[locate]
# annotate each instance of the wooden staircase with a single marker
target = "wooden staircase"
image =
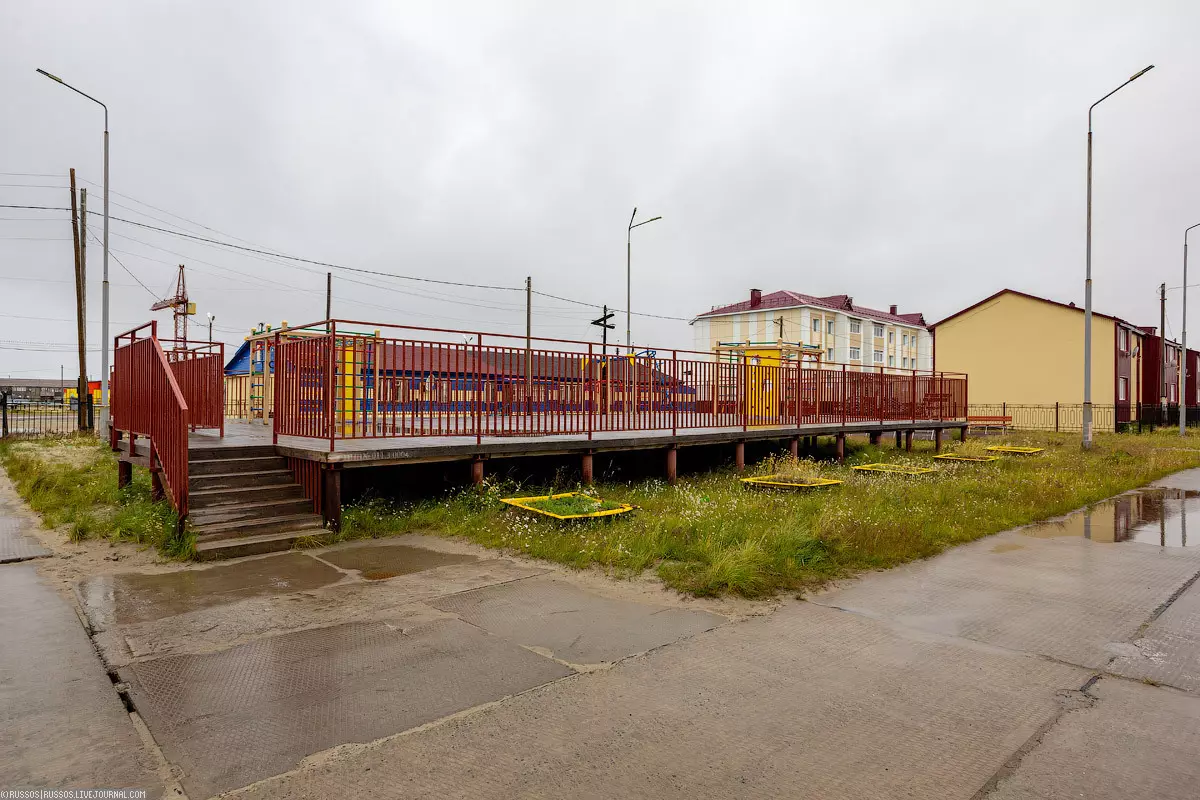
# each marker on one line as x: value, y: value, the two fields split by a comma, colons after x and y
x: 245, y: 501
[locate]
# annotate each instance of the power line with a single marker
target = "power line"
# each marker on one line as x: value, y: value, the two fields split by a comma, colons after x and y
x: 128, y: 271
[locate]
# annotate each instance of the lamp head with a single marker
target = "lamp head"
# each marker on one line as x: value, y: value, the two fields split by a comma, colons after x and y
x: 48, y: 75
x: 1140, y: 73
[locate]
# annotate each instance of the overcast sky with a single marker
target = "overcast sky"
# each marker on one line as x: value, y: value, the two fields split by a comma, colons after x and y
x: 923, y: 154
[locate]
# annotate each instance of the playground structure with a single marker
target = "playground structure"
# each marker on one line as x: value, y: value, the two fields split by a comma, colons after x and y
x: 333, y: 382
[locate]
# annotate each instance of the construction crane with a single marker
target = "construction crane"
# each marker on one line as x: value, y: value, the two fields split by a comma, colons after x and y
x: 179, y: 304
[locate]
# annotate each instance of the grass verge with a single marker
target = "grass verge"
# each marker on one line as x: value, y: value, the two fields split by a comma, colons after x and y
x: 72, y: 481
x: 707, y: 535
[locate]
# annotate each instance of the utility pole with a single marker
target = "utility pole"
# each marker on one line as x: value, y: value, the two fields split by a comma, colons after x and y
x: 779, y: 322
x: 81, y: 328
x: 629, y: 274
x: 528, y: 344
x: 1162, y: 376
x: 328, y: 299
x: 605, y: 326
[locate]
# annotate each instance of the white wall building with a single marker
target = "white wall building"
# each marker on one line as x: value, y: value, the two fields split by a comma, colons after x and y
x: 843, y: 332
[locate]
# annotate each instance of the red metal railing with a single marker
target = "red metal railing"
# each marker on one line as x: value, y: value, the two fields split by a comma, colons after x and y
x: 146, y: 401
x: 333, y: 384
x: 199, y: 371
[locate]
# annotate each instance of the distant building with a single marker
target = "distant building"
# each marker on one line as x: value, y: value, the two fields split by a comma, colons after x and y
x: 1020, y: 349
x: 788, y: 325
x: 36, y: 390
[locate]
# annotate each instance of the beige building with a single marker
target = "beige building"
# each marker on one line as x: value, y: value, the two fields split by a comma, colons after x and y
x: 832, y: 329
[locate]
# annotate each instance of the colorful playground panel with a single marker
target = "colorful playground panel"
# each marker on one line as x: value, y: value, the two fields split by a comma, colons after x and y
x: 899, y: 469
x: 526, y: 503
x: 979, y: 459
x: 777, y: 482
x: 1007, y: 448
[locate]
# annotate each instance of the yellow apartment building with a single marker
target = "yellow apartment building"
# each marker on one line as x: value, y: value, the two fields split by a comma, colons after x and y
x: 1020, y: 349
x: 784, y: 326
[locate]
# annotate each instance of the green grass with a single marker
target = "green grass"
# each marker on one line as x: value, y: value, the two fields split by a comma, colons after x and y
x: 573, y: 505
x: 72, y: 481
x: 708, y: 535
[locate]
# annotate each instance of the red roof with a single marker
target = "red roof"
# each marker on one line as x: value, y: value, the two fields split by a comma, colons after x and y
x: 837, y: 302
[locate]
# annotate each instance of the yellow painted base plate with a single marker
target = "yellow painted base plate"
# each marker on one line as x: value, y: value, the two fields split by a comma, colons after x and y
x: 977, y: 459
x: 898, y: 469
x: 525, y: 503
x: 1007, y: 448
x: 777, y: 482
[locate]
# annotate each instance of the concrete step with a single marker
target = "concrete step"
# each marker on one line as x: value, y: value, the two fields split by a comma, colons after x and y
x: 219, y: 466
x: 258, y: 510
x: 215, y: 498
x: 238, y: 451
x: 255, y: 527
x: 238, y: 480
x: 253, y: 545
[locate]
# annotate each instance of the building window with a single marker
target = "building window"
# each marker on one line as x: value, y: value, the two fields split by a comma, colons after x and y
x: 878, y: 331
x: 1123, y: 340
x: 855, y: 354
x: 855, y: 326
x: 891, y: 361
x: 829, y: 354
x: 1173, y: 394
x: 829, y: 327
x: 816, y: 324
x: 1122, y: 389
x: 904, y: 340
x: 878, y: 357
x: 891, y: 337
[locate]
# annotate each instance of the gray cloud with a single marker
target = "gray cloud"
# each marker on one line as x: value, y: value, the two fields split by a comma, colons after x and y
x: 923, y: 154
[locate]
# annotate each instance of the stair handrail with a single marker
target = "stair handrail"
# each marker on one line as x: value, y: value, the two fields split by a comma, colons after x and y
x: 146, y: 401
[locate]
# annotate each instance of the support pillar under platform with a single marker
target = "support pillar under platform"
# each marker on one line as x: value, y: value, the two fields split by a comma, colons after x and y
x: 477, y: 472
x: 331, y: 496
x: 962, y: 433
x: 841, y: 448
x: 585, y: 468
x: 672, y: 463
x: 739, y: 456
x: 874, y: 437
x: 898, y: 445
x: 937, y: 440
x: 124, y: 474
x: 908, y: 441
x: 794, y: 446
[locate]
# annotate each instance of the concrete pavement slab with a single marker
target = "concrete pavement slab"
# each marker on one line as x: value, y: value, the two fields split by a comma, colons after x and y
x: 240, y: 715
x: 1071, y: 599
x: 573, y: 625
x: 1133, y: 741
x: 62, y: 724
x: 134, y: 597
x: 1168, y: 651
x: 382, y: 560
x: 810, y: 702
x: 16, y: 522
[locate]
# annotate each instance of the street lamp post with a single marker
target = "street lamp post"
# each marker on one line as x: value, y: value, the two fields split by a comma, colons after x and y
x: 1087, y: 287
x: 629, y: 273
x: 1183, y: 348
x: 104, y: 285
x: 211, y: 319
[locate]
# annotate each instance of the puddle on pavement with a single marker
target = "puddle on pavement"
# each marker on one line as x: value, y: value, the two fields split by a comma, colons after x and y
x: 1007, y: 547
x: 378, y: 562
x: 1149, y: 516
x: 134, y: 597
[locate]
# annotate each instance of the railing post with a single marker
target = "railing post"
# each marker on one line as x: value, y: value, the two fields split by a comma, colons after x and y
x: 799, y: 389
x: 845, y: 396
x: 591, y: 393
x: 673, y: 393
x: 914, y: 396
x: 276, y: 392
x: 879, y: 394
x: 745, y: 393
x: 331, y: 368
x: 221, y: 380
x: 475, y: 386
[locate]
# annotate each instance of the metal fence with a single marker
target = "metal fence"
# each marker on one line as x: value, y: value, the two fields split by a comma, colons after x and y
x: 330, y: 384
x: 23, y: 418
x: 1059, y: 417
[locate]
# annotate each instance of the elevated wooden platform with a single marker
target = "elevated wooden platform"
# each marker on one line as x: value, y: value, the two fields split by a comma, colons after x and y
x: 350, y: 453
